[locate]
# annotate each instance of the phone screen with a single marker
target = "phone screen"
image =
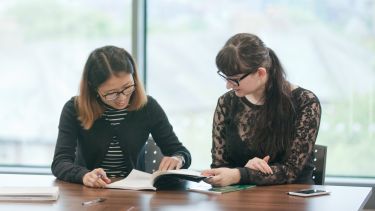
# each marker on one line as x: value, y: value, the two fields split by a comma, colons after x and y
x: 310, y: 191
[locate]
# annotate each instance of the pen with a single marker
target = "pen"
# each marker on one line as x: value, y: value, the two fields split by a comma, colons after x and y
x: 95, y: 201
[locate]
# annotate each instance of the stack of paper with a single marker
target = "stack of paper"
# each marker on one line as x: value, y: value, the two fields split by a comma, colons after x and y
x: 29, y: 193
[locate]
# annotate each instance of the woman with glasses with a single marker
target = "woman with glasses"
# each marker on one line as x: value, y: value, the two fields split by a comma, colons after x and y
x: 265, y: 127
x: 103, y: 129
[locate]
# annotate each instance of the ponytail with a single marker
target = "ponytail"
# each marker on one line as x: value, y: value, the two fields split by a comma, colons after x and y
x: 278, y: 114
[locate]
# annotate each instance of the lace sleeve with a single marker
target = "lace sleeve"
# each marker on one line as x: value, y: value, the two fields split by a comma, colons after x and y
x: 218, y: 134
x: 287, y: 171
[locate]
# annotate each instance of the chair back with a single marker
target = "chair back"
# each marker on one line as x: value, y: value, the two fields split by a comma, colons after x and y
x: 149, y: 157
x: 370, y: 204
x: 320, y: 156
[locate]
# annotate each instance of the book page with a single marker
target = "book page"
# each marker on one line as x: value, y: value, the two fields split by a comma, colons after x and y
x: 177, y: 175
x: 136, y: 180
x: 207, y: 188
x: 171, y: 178
x: 186, y: 172
x: 139, y: 180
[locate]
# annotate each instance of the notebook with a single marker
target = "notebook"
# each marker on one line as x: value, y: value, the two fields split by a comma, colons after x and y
x: 29, y: 193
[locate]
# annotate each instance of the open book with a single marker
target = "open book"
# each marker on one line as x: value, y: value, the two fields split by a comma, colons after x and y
x: 207, y: 188
x: 29, y: 193
x: 139, y: 180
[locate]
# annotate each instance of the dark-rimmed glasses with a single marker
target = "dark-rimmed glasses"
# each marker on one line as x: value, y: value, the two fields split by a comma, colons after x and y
x: 115, y: 95
x: 232, y: 81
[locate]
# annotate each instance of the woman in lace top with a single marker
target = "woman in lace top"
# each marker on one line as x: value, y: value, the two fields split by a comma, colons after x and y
x: 264, y: 128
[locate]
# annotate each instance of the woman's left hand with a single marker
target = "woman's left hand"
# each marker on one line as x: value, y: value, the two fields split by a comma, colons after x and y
x: 260, y: 165
x: 222, y: 176
x: 168, y: 163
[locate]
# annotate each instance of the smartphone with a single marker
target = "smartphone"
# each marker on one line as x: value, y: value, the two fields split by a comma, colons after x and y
x: 308, y: 192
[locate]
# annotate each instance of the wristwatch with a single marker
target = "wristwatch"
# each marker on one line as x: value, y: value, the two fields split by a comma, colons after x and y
x: 181, y: 158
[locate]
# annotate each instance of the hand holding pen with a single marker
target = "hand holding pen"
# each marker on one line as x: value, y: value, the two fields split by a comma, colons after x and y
x: 96, y: 178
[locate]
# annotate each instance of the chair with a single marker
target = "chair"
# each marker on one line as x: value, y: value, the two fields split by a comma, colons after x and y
x: 149, y: 157
x: 320, y: 155
x: 370, y: 204
x: 149, y: 160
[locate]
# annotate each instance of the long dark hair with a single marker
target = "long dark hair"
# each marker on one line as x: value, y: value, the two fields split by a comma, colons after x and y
x: 245, y: 53
x: 100, y: 65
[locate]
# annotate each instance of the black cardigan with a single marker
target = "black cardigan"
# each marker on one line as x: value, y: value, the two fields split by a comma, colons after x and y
x: 79, y: 151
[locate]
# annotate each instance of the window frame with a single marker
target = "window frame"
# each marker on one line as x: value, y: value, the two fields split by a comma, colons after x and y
x: 139, y: 51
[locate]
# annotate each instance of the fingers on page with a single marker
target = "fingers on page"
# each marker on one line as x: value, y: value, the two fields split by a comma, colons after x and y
x: 163, y: 164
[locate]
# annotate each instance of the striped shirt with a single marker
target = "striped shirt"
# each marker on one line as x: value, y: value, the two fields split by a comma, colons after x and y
x: 114, y: 163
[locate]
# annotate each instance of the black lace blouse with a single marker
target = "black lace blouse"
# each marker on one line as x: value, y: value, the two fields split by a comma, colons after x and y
x: 233, y: 145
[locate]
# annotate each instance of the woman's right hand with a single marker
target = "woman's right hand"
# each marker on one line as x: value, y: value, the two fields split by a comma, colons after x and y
x: 96, y: 178
x: 260, y: 165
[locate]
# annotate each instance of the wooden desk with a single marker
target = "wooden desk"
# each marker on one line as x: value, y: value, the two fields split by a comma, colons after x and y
x: 257, y: 198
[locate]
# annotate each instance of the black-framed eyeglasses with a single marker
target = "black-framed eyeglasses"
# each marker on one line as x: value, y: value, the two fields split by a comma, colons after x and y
x: 115, y: 95
x: 235, y: 82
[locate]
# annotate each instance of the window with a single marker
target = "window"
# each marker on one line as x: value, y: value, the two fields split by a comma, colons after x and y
x: 325, y: 46
x: 44, y: 45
